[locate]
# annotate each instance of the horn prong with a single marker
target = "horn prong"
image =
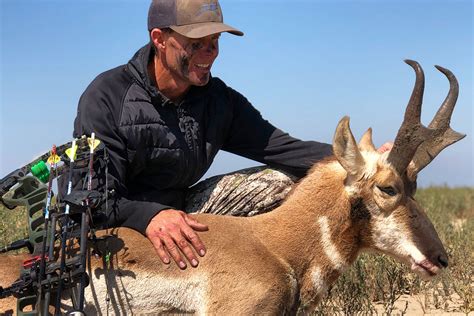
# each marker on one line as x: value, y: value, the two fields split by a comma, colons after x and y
x: 411, y: 133
x: 442, y: 134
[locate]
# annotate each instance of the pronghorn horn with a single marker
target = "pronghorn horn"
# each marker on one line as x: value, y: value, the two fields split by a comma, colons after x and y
x: 443, y: 134
x: 366, y: 142
x: 411, y: 133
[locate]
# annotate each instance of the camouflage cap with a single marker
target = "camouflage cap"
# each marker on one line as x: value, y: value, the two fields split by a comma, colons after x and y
x: 191, y: 18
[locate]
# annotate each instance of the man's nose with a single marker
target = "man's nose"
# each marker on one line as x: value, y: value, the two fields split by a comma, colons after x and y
x: 209, y: 46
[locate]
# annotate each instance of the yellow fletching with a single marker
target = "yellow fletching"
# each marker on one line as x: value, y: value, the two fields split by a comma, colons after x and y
x: 53, y: 159
x: 96, y: 142
x: 71, y: 152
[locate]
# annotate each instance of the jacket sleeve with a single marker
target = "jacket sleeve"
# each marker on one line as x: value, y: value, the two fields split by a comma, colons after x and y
x: 255, y: 138
x: 98, y: 112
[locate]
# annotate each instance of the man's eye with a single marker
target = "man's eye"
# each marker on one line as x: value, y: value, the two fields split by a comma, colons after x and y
x: 388, y: 190
x: 196, y: 45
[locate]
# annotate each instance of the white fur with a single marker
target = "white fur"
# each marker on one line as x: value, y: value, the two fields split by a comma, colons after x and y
x: 319, y: 284
x: 183, y: 294
x: 371, y: 160
x: 329, y: 247
x: 411, y: 249
x: 393, y: 237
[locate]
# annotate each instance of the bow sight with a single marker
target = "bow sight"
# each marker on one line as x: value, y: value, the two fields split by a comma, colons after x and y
x: 58, y: 229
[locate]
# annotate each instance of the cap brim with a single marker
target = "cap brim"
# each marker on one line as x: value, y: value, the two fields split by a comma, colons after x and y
x: 204, y: 29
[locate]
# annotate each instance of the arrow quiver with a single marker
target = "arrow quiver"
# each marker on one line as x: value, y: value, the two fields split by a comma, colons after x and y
x: 56, y: 227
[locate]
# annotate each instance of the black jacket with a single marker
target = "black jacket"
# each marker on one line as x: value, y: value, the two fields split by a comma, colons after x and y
x: 158, y: 149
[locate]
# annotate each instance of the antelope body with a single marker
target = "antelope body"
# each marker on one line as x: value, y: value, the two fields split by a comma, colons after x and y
x: 274, y: 263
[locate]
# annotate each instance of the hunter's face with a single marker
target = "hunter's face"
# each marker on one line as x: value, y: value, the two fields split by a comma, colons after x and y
x: 191, y: 59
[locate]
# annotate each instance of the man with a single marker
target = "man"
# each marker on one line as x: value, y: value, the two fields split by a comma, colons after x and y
x: 163, y: 118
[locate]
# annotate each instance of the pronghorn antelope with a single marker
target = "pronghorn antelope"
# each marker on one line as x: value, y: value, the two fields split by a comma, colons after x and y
x: 274, y: 263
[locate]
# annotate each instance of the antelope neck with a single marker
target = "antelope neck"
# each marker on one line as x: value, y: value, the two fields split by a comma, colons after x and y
x: 326, y: 240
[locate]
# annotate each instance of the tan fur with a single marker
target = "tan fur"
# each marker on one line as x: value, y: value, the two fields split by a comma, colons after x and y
x: 275, y: 262
x: 9, y: 272
x: 266, y: 264
x: 365, y: 142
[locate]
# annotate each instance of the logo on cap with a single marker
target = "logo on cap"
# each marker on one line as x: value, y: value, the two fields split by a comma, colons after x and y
x: 213, y: 7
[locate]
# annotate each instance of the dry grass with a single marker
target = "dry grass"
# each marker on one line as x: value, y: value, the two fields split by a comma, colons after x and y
x: 13, y: 224
x: 377, y: 285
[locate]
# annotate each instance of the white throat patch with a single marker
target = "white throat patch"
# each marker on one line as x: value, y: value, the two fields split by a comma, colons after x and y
x: 329, y: 247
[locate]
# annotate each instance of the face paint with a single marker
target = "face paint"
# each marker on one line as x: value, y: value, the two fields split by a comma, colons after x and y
x: 196, y: 46
x: 183, y: 62
x: 193, y: 59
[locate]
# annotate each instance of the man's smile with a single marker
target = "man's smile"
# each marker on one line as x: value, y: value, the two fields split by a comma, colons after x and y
x: 203, y: 66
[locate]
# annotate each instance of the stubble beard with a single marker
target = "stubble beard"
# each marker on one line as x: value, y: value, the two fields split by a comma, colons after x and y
x: 183, y: 62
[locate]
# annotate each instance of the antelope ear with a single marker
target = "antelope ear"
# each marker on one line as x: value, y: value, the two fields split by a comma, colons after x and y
x: 345, y: 149
x: 366, y: 143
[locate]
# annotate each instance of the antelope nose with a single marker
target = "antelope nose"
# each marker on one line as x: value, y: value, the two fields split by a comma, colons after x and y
x: 443, y: 260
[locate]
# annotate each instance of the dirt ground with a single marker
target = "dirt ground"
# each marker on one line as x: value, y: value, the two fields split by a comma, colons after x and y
x: 417, y: 305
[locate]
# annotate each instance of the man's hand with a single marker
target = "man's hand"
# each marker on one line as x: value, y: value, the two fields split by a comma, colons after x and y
x: 172, y: 232
x: 385, y: 147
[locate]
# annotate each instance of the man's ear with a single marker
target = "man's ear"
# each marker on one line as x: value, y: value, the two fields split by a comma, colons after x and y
x: 157, y: 37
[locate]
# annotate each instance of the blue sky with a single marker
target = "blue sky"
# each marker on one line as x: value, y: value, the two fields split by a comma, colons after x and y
x: 303, y: 64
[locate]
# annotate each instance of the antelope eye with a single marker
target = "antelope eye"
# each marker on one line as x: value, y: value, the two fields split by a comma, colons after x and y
x: 388, y: 190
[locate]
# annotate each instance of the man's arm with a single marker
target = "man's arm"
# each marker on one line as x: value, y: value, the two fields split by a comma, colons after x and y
x: 255, y: 138
x: 95, y: 115
x: 169, y: 230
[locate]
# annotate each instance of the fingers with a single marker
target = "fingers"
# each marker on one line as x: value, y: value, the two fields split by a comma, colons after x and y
x: 160, y: 250
x: 172, y: 234
x: 194, y: 239
x: 194, y: 224
x: 171, y: 246
x: 385, y: 147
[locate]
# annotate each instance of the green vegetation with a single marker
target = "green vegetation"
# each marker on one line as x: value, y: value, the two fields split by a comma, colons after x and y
x: 377, y: 284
